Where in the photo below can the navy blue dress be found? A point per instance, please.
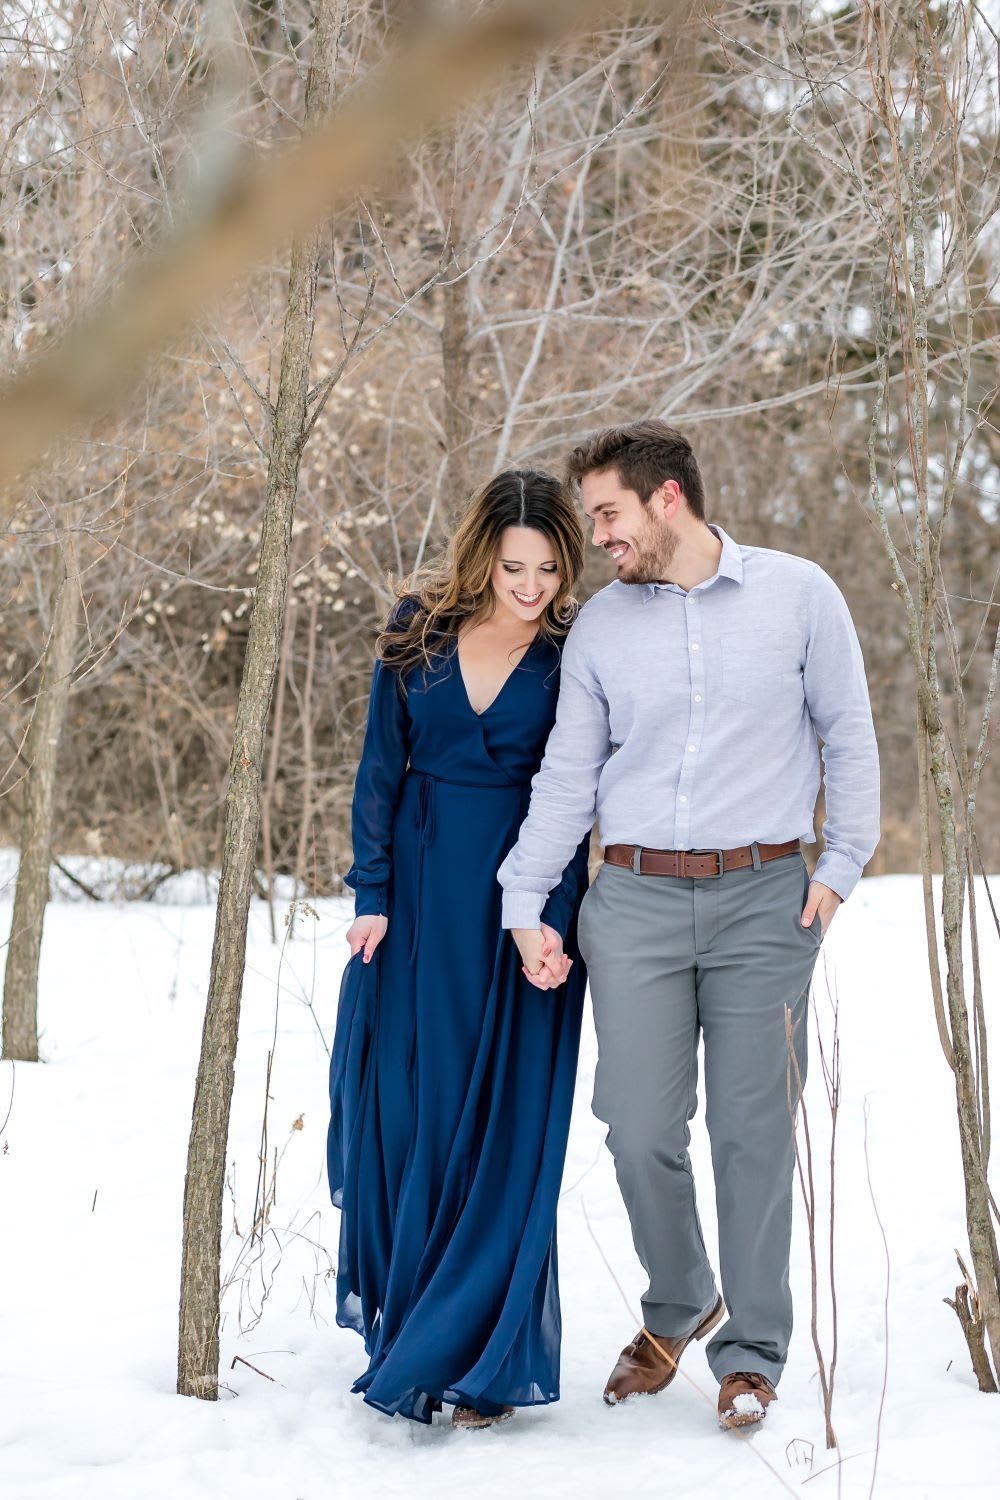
(451, 1081)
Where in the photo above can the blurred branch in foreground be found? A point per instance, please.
(430, 75)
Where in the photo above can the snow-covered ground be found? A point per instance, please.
(91, 1178)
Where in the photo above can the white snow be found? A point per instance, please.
(91, 1179)
(746, 1405)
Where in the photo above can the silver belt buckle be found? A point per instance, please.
(637, 860)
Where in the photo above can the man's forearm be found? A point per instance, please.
(537, 863)
(837, 696)
(563, 792)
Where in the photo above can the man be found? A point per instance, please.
(693, 690)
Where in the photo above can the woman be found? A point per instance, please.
(452, 1078)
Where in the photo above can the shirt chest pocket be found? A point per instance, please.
(760, 668)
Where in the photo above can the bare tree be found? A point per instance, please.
(934, 72)
(39, 757)
(198, 1343)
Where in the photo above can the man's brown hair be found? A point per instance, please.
(643, 455)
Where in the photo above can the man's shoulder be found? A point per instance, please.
(768, 564)
(774, 557)
(614, 597)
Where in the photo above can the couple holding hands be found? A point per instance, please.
(682, 706)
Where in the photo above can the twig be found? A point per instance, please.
(87, 890)
(239, 1360)
(797, 1107)
(885, 1310)
(10, 1101)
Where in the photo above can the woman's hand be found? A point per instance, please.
(366, 933)
(545, 965)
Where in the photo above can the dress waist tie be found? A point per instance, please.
(425, 835)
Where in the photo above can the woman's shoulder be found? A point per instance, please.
(402, 612)
(408, 640)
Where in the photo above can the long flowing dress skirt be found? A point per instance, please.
(451, 1089)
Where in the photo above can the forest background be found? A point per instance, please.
(662, 218)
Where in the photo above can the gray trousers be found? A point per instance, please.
(668, 959)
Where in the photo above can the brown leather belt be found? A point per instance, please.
(696, 864)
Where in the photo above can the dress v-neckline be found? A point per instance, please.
(481, 713)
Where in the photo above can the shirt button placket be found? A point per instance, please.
(696, 671)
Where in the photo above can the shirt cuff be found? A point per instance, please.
(521, 909)
(837, 871)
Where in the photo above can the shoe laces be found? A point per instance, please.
(756, 1381)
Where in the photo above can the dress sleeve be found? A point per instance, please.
(377, 791)
(564, 899)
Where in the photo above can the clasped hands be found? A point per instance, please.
(544, 964)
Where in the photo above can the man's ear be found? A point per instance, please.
(670, 497)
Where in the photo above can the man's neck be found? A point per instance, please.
(696, 559)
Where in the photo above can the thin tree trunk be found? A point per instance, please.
(41, 746)
(267, 800)
(41, 756)
(198, 1345)
(308, 768)
(982, 1236)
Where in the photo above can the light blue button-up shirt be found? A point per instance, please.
(689, 720)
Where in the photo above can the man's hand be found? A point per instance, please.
(820, 899)
(366, 933)
(544, 965)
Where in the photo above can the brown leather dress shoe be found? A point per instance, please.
(744, 1398)
(642, 1369)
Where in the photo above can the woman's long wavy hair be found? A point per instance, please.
(449, 593)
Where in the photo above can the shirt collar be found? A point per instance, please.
(731, 561)
(730, 566)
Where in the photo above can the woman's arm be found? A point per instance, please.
(377, 791)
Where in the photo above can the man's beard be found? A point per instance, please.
(652, 553)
